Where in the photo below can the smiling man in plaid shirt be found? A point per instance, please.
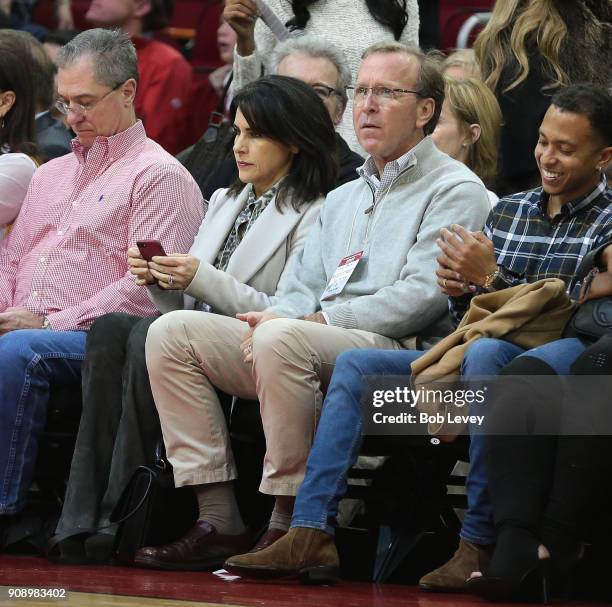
(65, 262)
(542, 233)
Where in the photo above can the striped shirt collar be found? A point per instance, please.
(574, 206)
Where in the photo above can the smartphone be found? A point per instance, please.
(150, 248)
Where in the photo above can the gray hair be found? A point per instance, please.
(317, 47)
(112, 53)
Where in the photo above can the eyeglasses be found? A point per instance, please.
(324, 91)
(380, 93)
(80, 109)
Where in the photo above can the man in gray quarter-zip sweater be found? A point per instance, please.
(391, 216)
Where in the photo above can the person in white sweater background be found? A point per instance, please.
(350, 25)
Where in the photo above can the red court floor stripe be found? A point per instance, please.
(205, 587)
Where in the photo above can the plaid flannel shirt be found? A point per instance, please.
(530, 246)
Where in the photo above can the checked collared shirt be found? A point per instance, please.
(531, 246)
(66, 257)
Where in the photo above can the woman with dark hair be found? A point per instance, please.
(17, 150)
(285, 152)
(350, 25)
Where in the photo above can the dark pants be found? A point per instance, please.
(119, 426)
(550, 485)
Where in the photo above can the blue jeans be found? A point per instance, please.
(486, 357)
(31, 360)
(338, 437)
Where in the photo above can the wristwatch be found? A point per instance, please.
(494, 281)
(46, 324)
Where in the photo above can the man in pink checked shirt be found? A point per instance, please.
(65, 262)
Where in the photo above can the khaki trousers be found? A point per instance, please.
(190, 353)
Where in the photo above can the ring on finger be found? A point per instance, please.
(444, 282)
(170, 279)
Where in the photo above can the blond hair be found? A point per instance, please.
(510, 26)
(472, 102)
(464, 58)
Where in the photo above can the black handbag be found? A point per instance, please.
(208, 153)
(592, 319)
(150, 511)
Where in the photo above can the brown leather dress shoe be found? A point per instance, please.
(309, 554)
(201, 548)
(453, 575)
(268, 538)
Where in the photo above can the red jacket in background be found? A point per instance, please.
(163, 97)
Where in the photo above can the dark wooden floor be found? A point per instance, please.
(207, 588)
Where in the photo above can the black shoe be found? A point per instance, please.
(534, 586)
(99, 549)
(81, 549)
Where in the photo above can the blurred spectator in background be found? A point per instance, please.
(164, 90)
(17, 148)
(219, 78)
(52, 136)
(526, 53)
(351, 26)
(314, 61)
(462, 64)
(53, 41)
(469, 127)
(210, 88)
(20, 15)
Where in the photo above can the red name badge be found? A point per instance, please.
(341, 276)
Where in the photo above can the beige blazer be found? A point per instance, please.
(256, 265)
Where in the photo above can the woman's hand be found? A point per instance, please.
(241, 15)
(174, 271)
(139, 267)
(600, 285)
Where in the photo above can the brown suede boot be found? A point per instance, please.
(453, 575)
(307, 553)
